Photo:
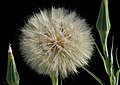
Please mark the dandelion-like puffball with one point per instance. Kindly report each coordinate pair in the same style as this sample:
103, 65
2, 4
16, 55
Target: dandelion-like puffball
56, 42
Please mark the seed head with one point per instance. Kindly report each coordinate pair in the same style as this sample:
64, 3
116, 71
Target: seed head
56, 41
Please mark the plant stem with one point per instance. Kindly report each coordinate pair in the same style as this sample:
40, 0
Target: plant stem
54, 79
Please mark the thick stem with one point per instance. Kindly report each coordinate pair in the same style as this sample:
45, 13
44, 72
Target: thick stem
54, 79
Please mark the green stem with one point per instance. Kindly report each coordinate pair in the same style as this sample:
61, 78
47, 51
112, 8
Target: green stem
118, 71
117, 76
106, 48
60, 80
104, 59
117, 59
54, 79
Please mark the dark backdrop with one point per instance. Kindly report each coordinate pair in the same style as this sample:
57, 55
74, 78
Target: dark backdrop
15, 14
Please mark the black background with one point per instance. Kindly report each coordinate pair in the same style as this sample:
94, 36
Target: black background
15, 14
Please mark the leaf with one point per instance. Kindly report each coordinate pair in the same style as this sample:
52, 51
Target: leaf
118, 71
93, 76
104, 59
103, 24
111, 62
117, 76
112, 79
117, 58
112, 51
12, 74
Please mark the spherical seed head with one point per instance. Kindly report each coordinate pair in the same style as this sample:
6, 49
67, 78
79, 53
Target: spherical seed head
56, 41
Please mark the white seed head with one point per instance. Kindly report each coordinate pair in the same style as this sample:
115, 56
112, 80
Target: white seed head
56, 41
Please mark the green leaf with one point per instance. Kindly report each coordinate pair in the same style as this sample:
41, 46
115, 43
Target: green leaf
112, 80
117, 58
104, 59
93, 76
112, 76
12, 74
107, 66
117, 76
118, 71
103, 24
112, 51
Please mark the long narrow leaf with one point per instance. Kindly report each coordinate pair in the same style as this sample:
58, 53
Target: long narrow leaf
117, 76
112, 51
93, 76
112, 76
117, 58
105, 61
118, 71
